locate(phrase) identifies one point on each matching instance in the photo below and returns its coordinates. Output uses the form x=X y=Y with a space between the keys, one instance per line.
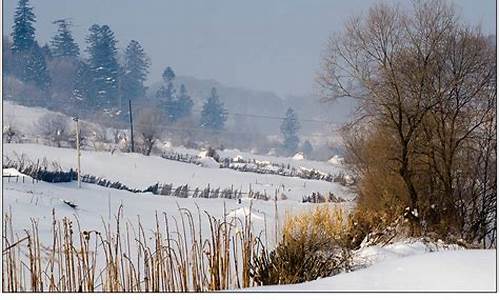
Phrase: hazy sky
x=270 y=45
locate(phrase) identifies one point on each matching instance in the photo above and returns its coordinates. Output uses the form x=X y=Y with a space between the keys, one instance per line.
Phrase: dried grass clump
x=314 y=244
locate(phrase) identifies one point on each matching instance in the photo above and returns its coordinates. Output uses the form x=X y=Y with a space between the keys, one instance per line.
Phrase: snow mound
x=336 y=160
x=238 y=158
x=243 y=212
x=272 y=152
x=298 y=156
x=449 y=271
x=209 y=162
x=13 y=173
x=167 y=146
x=203 y=154
x=369 y=255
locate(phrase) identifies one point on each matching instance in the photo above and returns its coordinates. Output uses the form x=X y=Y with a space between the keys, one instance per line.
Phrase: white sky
x=270 y=45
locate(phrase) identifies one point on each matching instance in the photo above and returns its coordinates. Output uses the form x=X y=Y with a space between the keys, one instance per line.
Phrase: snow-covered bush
x=210 y=152
x=10 y=134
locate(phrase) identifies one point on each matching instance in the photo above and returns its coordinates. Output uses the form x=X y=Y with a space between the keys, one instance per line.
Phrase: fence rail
x=255 y=166
x=23 y=180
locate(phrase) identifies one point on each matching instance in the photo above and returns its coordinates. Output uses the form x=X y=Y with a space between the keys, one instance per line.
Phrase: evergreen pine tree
x=213 y=115
x=184 y=103
x=167 y=91
x=168 y=95
x=23 y=31
x=104 y=65
x=7 y=57
x=63 y=44
x=289 y=128
x=136 y=69
x=47 y=53
x=83 y=86
x=28 y=58
x=307 y=148
x=168 y=75
x=35 y=68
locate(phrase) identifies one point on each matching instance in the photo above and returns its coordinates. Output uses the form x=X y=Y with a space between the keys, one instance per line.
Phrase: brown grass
x=174 y=256
x=314 y=244
x=124 y=257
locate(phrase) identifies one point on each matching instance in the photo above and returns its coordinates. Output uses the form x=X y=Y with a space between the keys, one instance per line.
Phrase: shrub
x=11 y=134
x=314 y=244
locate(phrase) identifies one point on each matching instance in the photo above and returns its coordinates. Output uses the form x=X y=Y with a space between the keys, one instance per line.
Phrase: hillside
x=150 y=170
x=262 y=103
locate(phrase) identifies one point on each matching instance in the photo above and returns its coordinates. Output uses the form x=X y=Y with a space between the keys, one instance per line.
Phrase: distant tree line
x=99 y=81
x=58 y=76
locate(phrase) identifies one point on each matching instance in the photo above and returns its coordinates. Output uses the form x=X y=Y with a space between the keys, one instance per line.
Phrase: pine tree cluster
x=99 y=80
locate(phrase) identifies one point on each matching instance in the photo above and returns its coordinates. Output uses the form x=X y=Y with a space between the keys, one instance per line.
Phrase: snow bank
x=242 y=213
x=450 y=271
x=370 y=255
x=208 y=162
x=298 y=156
x=203 y=154
x=336 y=160
x=13 y=172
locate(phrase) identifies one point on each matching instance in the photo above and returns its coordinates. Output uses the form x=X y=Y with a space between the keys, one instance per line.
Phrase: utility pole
x=78 y=151
x=131 y=125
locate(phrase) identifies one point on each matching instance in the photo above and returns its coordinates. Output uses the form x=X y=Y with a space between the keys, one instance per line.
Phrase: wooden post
x=131 y=126
x=78 y=151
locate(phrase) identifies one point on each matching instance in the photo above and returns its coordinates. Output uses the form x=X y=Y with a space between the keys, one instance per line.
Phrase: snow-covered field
x=138 y=171
x=402 y=266
x=399 y=266
x=96 y=203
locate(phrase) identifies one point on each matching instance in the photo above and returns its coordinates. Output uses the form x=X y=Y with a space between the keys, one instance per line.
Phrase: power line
x=202 y=130
x=275 y=117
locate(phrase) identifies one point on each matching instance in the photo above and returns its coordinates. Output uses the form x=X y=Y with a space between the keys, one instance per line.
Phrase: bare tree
x=97 y=137
x=84 y=134
x=55 y=128
x=426 y=85
x=147 y=128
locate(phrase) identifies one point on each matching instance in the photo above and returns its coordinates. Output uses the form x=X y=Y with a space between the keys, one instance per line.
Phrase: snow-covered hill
x=24 y=118
x=139 y=171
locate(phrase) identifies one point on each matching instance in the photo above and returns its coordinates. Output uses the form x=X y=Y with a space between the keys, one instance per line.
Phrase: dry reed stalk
x=177 y=260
